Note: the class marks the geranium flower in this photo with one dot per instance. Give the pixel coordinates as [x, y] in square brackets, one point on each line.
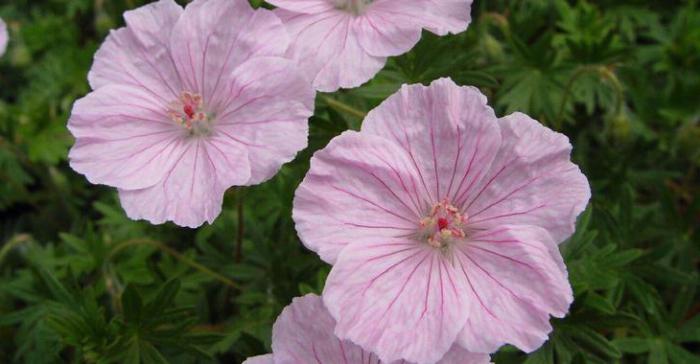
[442, 224]
[4, 37]
[187, 103]
[344, 43]
[303, 333]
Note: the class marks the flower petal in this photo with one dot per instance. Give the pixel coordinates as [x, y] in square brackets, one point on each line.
[397, 298]
[260, 359]
[214, 37]
[124, 138]
[303, 6]
[389, 30]
[459, 355]
[303, 333]
[359, 187]
[267, 111]
[532, 181]
[446, 16]
[327, 49]
[192, 191]
[450, 133]
[515, 282]
[138, 55]
[4, 37]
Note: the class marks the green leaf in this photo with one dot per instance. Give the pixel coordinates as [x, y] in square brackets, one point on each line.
[633, 345]
[131, 305]
[599, 303]
[544, 355]
[595, 342]
[163, 299]
[658, 354]
[150, 355]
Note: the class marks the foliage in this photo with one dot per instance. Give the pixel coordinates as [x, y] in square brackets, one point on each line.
[79, 282]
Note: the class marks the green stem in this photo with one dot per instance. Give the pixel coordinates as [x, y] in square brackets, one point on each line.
[582, 70]
[619, 91]
[343, 107]
[604, 72]
[175, 254]
[14, 242]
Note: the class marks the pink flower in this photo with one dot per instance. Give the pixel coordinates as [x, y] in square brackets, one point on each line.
[187, 103]
[4, 37]
[303, 333]
[442, 224]
[260, 359]
[344, 43]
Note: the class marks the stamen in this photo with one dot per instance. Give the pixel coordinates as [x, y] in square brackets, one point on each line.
[188, 111]
[356, 7]
[443, 226]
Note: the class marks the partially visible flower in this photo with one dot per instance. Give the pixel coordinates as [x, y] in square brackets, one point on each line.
[4, 37]
[303, 333]
[442, 223]
[344, 43]
[260, 359]
[187, 103]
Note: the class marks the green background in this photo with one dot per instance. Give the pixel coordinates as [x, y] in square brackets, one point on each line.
[80, 283]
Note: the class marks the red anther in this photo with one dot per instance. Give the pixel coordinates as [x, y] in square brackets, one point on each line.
[443, 223]
[189, 111]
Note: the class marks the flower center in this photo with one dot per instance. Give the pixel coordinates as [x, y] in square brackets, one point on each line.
[356, 7]
[188, 111]
[444, 225]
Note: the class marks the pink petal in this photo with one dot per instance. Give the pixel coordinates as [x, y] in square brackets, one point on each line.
[138, 55]
[123, 138]
[447, 16]
[267, 111]
[303, 6]
[459, 355]
[214, 37]
[327, 50]
[303, 333]
[192, 191]
[516, 280]
[4, 37]
[450, 133]
[389, 28]
[397, 298]
[359, 187]
[260, 359]
[532, 181]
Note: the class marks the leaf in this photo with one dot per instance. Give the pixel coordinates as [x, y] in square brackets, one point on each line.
[595, 342]
[150, 355]
[544, 355]
[658, 354]
[690, 331]
[57, 290]
[633, 345]
[131, 305]
[163, 299]
[599, 303]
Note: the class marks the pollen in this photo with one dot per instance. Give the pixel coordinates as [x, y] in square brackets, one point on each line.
[188, 111]
[356, 7]
[443, 225]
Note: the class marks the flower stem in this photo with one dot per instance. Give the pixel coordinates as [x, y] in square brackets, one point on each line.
[603, 72]
[14, 242]
[175, 254]
[343, 107]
